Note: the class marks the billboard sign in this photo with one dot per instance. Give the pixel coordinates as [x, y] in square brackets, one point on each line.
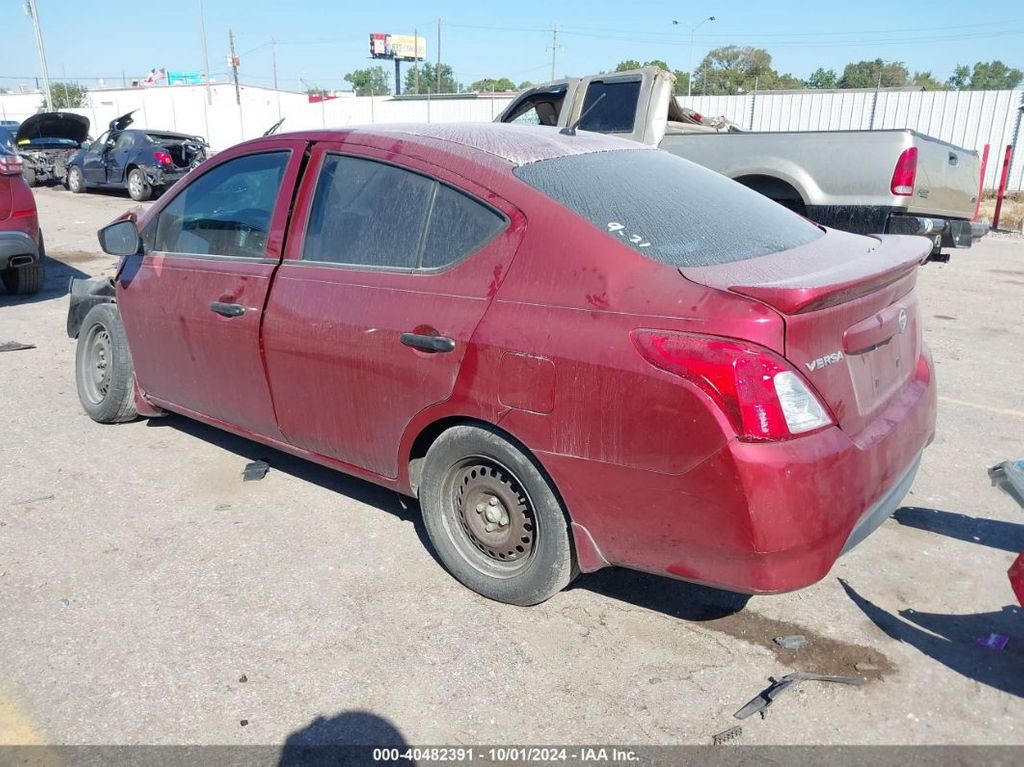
[401, 47]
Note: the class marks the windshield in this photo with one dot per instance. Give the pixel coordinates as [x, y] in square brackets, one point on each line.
[668, 208]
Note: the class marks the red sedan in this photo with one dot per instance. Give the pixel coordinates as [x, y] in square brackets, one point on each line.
[576, 352]
[21, 242]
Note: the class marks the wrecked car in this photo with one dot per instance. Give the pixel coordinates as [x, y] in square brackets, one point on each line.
[570, 356]
[145, 162]
[45, 142]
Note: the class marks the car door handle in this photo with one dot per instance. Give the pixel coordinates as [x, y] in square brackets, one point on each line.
[428, 343]
[227, 310]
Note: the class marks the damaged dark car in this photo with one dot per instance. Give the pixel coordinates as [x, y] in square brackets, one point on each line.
[144, 162]
[46, 142]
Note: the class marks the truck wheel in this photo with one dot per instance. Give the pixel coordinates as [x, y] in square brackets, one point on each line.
[23, 280]
[494, 518]
[138, 187]
[104, 368]
[76, 184]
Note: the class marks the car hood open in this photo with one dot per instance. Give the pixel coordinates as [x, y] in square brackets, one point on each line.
[54, 125]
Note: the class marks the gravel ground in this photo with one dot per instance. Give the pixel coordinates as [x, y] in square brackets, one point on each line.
[147, 595]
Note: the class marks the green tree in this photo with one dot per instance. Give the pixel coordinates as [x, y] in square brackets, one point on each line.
[822, 78]
[315, 91]
[491, 84]
[625, 66]
[986, 76]
[872, 74]
[926, 82]
[430, 81]
[682, 82]
[524, 85]
[372, 81]
[68, 96]
[737, 69]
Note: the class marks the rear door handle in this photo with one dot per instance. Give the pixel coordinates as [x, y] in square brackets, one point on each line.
[428, 343]
[227, 310]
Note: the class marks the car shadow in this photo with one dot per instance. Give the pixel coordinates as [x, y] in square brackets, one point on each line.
[674, 598]
[951, 640]
[405, 508]
[337, 740]
[55, 285]
[994, 533]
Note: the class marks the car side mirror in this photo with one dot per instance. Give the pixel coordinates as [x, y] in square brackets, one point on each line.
[120, 238]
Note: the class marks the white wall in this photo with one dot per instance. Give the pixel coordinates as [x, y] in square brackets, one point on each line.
[967, 118]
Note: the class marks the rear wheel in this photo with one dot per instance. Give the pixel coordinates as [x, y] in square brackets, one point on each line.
[104, 368]
[23, 280]
[76, 183]
[138, 187]
[493, 517]
[30, 176]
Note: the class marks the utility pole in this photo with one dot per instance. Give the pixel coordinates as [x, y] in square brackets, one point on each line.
[30, 6]
[437, 72]
[554, 48]
[206, 56]
[416, 59]
[273, 59]
[234, 66]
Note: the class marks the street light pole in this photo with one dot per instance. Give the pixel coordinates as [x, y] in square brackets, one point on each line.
[30, 6]
[689, 76]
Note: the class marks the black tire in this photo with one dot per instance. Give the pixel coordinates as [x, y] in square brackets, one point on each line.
[24, 280]
[103, 367]
[30, 176]
[75, 180]
[138, 187]
[526, 555]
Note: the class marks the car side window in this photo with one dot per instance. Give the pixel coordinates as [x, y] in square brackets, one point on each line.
[367, 213]
[458, 226]
[225, 211]
[100, 142]
[123, 141]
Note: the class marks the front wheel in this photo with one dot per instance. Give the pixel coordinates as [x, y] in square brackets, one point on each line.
[138, 187]
[76, 183]
[103, 367]
[494, 518]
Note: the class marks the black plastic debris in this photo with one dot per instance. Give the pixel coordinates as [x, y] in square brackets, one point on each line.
[791, 642]
[14, 346]
[759, 704]
[726, 735]
[1009, 476]
[255, 470]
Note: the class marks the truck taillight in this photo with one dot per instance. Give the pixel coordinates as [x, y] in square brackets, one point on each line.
[10, 165]
[905, 173]
[763, 397]
[164, 158]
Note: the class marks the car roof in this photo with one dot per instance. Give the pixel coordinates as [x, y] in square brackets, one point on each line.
[514, 144]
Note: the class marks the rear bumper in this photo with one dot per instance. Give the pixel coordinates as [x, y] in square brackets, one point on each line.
[160, 176]
[17, 249]
[754, 518]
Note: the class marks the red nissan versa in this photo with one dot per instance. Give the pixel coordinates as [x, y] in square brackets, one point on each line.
[576, 352]
[21, 242]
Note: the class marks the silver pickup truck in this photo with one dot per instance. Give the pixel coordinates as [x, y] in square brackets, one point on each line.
[864, 181]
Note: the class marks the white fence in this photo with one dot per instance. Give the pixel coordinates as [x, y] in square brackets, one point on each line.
[970, 119]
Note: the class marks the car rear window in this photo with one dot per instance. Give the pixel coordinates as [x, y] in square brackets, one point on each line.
[667, 208]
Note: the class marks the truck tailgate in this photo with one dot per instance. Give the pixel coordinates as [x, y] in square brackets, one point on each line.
[947, 179]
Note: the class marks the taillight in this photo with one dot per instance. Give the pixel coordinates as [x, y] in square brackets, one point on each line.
[905, 173]
[10, 165]
[763, 397]
[164, 158]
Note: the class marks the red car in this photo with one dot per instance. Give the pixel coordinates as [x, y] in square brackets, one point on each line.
[576, 352]
[21, 242]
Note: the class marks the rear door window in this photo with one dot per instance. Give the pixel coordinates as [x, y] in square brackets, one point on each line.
[668, 208]
[615, 112]
[372, 214]
[224, 212]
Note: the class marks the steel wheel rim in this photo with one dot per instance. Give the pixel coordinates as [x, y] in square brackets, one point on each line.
[97, 362]
[489, 516]
[74, 180]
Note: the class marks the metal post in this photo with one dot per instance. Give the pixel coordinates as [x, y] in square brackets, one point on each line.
[437, 72]
[1001, 192]
[34, 13]
[416, 59]
[398, 77]
[206, 56]
[234, 67]
[554, 48]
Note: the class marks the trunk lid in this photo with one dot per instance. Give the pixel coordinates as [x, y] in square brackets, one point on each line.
[850, 308]
[58, 126]
[947, 178]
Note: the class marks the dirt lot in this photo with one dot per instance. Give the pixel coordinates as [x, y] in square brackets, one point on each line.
[147, 595]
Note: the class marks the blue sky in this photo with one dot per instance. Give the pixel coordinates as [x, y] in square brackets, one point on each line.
[319, 41]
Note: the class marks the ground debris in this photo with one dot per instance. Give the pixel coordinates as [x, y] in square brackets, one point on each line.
[14, 346]
[760, 703]
[791, 642]
[726, 735]
[255, 470]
